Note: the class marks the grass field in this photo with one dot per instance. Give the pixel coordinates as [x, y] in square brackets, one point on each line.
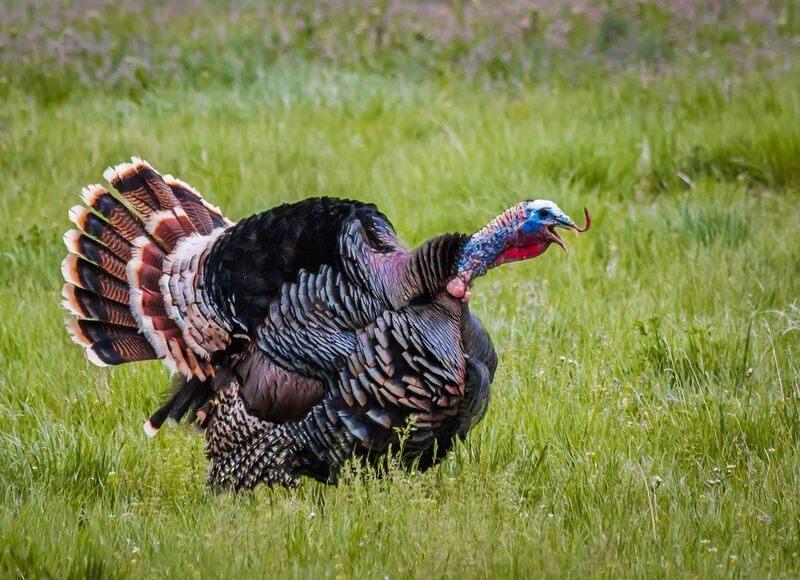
[646, 413]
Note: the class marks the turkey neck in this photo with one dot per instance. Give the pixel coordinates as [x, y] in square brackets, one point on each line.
[434, 263]
[483, 249]
[498, 242]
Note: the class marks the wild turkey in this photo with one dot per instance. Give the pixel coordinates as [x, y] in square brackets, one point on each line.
[303, 336]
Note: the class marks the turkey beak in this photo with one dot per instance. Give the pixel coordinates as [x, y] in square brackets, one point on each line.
[552, 236]
[566, 222]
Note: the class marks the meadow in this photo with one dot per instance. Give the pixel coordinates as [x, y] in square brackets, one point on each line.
[645, 418]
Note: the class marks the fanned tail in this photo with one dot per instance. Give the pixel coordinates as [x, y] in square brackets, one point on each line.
[130, 275]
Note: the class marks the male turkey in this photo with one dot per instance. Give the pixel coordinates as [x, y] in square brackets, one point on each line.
[302, 336]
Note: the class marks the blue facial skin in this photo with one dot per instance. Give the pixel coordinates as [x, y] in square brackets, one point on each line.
[524, 224]
[540, 216]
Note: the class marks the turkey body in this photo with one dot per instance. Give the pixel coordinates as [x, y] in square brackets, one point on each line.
[303, 336]
[349, 341]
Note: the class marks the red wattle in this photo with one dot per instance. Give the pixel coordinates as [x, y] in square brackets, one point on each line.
[524, 253]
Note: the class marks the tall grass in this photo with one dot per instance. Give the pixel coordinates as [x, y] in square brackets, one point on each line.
[645, 417]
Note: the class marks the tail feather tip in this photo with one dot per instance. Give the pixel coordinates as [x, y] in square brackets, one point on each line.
[90, 193]
[76, 333]
[149, 429]
[94, 359]
[110, 174]
[70, 302]
[69, 307]
[138, 161]
[71, 241]
[69, 268]
[117, 173]
[77, 215]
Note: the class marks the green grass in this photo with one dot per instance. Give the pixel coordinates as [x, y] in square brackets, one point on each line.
[646, 414]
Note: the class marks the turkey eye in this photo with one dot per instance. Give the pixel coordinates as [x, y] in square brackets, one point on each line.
[543, 213]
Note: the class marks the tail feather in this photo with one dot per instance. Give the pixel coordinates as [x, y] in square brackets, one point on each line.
[126, 260]
[133, 188]
[155, 183]
[87, 304]
[99, 199]
[108, 343]
[186, 394]
[87, 332]
[169, 227]
[115, 351]
[145, 266]
[86, 275]
[193, 203]
[100, 230]
[84, 246]
[197, 213]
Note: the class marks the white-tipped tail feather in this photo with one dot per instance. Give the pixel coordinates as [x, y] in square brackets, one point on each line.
[77, 215]
[90, 193]
[69, 269]
[76, 334]
[127, 243]
[70, 302]
[149, 429]
[93, 358]
[71, 238]
[112, 174]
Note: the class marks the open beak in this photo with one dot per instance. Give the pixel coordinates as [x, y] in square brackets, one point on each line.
[567, 223]
[552, 236]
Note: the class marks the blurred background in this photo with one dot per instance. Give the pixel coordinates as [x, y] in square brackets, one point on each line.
[50, 49]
